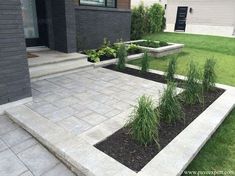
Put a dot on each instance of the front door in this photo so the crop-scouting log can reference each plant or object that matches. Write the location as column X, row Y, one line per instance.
column 181, row 19
column 35, row 22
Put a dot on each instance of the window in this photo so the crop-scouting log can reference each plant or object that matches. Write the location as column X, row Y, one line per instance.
column 101, row 3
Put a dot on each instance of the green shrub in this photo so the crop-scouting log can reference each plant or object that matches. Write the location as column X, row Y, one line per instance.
column 133, row 49
column 121, row 55
column 209, row 76
column 171, row 69
column 146, row 20
column 149, row 43
column 162, row 43
column 93, row 55
column 108, row 52
column 144, row 122
column 193, row 88
column 145, row 63
column 155, row 15
column 170, row 108
column 137, row 22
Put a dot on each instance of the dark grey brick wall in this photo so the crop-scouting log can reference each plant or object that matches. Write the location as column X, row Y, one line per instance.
column 95, row 24
column 62, row 26
column 14, row 73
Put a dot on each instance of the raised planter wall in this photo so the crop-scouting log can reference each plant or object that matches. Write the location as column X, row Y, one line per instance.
column 172, row 48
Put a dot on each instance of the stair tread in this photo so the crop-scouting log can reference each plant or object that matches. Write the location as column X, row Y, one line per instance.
column 44, row 60
column 48, row 69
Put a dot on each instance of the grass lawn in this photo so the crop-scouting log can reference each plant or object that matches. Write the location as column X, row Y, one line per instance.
column 219, row 152
column 198, row 48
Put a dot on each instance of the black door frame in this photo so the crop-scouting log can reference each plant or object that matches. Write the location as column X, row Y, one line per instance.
column 42, row 26
column 178, row 18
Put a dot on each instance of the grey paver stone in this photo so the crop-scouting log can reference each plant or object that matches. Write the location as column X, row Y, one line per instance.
column 15, row 137
column 38, row 159
column 10, row 165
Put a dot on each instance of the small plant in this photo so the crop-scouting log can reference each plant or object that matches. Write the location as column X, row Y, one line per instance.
column 149, row 43
column 121, row 54
column 171, row 69
column 144, row 63
column 193, row 88
column 133, row 49
column 93, row 55
column 170, row 108
column 144, row 122
column 106, row 43
column 108, row 52
column 209, row 76
column 162, row 43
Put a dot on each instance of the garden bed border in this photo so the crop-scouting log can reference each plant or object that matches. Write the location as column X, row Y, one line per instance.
column 177, row 155
column 80, row 154
column 172, row 48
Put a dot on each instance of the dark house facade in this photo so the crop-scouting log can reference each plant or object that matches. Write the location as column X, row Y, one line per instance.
column 62, row 25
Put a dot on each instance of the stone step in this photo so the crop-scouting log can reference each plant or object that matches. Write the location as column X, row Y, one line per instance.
column 82, row 157
column 49, row 57
column 58, row 67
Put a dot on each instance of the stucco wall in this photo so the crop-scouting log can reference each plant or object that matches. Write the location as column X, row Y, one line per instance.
column 14, row 73
column 207, row 17
column 94, row 24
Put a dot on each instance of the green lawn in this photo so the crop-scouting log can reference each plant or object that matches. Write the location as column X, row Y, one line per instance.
column 219, row 152
column 198, row 48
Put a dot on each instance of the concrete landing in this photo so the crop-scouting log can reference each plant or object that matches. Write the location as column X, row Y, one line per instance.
column 51, row 63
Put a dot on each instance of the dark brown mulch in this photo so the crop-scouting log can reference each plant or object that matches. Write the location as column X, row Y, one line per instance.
column 124, row 149
column 149, row 76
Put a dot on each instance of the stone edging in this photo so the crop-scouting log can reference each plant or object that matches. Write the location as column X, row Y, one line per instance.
column 79, row 153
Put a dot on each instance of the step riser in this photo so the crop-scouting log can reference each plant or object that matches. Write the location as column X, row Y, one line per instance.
column 58, row 61
column 52, row 75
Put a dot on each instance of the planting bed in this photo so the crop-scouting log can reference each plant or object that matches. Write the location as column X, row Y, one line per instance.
column 106, row 57
column 157, row 48
column 124, row 149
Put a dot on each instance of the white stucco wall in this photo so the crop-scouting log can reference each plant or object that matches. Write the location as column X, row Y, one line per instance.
column 213, row 17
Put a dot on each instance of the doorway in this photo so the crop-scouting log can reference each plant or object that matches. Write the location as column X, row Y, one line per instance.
column 35, row 22
column 180, row 24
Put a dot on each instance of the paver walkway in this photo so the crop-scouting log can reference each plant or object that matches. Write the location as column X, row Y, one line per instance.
column 22, row 155
column 82, row 100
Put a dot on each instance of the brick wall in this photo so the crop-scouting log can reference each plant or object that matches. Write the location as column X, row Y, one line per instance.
column 14, row 73
column 123, row 4
column 94, row 24
column 62, row 26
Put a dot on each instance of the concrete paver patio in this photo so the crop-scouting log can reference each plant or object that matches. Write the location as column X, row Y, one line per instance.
column 82, row 100
column 22, row 155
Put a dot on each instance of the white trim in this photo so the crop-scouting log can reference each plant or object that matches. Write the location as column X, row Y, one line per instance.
column 6, row 106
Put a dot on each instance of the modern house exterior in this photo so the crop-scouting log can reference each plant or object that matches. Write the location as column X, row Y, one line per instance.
column 62, row 25
column 212, row 17
column 147, row 3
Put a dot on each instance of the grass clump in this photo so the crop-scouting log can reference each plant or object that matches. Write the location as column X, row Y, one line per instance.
column 170, row 108
column 145, row 63
column 171, row 69
column 121, row 55
column 193, row 88
column 209, row 76
column 144, row 122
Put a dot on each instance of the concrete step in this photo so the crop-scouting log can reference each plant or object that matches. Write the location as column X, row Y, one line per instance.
column 75, row 152
column 58, row 67
column 52, row 57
